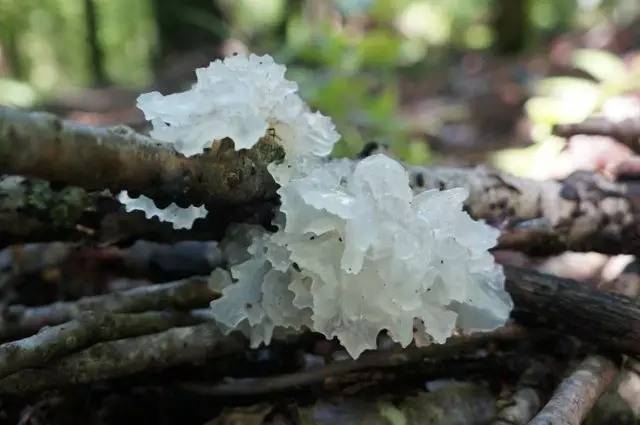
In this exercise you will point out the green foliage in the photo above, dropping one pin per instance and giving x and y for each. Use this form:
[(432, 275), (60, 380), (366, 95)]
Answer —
[(566, 100), (352, 78), (562, 100), (348, 72), (49, 36)]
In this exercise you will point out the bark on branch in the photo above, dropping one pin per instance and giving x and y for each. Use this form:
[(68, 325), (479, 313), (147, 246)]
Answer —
[(86, 330), (180, 295), (578, 393), (584, 212), (569, 307), (33, 210), (123, 357), (43, 146), (626, 131)]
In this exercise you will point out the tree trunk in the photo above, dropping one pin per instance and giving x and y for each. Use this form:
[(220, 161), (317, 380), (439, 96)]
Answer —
[(96, 54), (187, 25), (511, 26)]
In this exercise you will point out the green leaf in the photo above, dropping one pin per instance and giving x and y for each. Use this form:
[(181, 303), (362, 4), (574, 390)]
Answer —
[(529, 162), (16, 93), (385, 104), (604, 66), (418, 153), (339, 95), (547, 110), (380, 49), (569, 87)]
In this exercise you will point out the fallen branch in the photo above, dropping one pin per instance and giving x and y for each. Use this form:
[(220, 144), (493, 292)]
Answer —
[(111, 359), (578, 393), (86, 330), (34, 210), (608, 319), (123, 357), (149, 260), (30, 210), (584, 212), (180, 295), (626, 131), (455, 346), (562, 305), (42, 146)]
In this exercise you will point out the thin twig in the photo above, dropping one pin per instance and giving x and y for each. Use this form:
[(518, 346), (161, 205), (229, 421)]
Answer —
[(376, 359), (88, 329), (578, 393), (625, 131), (180, 295), (185, 345)]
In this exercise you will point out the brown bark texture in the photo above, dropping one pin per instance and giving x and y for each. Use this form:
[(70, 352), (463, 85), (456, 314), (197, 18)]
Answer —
[(40, 145)]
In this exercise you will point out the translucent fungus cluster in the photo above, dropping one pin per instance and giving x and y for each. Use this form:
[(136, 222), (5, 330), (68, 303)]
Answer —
[(356, 251)]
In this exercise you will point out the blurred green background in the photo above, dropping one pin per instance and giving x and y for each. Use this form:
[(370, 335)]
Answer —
[(401, 72)]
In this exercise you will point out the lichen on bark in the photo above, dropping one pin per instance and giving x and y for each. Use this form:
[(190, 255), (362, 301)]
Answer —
[(43, 146)]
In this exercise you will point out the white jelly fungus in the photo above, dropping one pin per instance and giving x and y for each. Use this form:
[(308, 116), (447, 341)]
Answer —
[(356, 251)]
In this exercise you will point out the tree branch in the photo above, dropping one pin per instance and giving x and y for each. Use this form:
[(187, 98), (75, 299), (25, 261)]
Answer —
[(578, 393), (88, 329), (123, 357), (584, 212), (529, 394), (430, 357), (34, 210), (132, 355), (566, 306), (626, 131), (180, 295), (42, 146)]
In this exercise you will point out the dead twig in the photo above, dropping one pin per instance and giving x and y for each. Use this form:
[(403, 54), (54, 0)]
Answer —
[(584, 212), (88, 329), (578, 393), (370, 360), (123, 357), (569, 307), (180, 295), (625, 131)]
